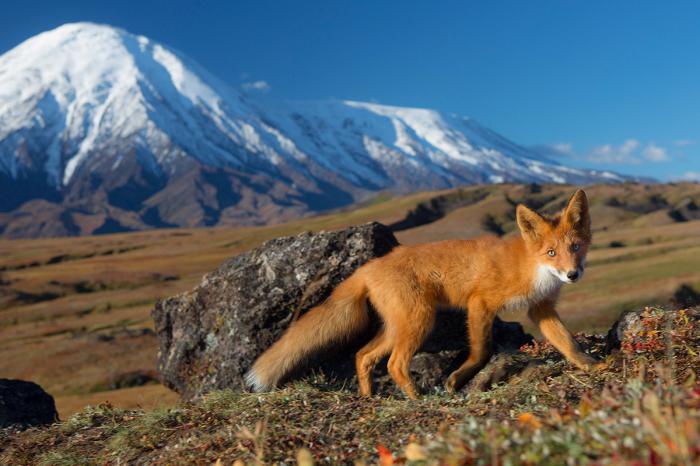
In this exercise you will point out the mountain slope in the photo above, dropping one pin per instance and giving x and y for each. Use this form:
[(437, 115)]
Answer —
[(102, 131)]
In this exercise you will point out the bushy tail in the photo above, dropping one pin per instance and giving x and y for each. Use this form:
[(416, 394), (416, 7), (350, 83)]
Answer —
[(341, 316)]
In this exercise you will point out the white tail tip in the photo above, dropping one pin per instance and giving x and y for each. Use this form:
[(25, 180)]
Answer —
[(254, 382)]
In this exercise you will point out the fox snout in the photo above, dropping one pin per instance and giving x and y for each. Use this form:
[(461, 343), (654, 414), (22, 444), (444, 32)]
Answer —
[(566, 276), (575, 274), (572, 275)]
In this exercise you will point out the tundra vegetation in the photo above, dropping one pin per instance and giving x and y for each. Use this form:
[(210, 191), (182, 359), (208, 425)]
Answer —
[(643, 408), (74, 317)]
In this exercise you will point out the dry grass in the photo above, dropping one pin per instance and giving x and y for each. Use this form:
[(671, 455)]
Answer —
[(638, 410), (151, 396), (73, 310)]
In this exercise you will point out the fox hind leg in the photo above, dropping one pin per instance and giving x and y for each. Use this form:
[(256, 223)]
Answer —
[(479, 325), (410, 334), (368, 357)]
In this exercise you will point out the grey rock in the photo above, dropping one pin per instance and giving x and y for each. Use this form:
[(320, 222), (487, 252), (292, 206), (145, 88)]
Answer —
[(630, 324), (24, 404), (210, 336), (616, 334), (501, 368)]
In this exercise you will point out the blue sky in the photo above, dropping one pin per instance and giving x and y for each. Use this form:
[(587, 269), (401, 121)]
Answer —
[(608, 84)]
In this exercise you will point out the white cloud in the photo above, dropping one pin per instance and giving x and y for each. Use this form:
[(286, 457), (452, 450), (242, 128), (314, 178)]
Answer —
[(564, 148), (629, 152), (261, 86), (683, 142), (654, 153), (629, 146), (607, 153), (690, 176)]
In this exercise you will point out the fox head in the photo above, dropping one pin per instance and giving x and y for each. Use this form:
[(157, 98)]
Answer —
[(560, 243)]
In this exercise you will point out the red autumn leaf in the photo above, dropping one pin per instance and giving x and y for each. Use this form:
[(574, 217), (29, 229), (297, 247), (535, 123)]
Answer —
[(386, 458)]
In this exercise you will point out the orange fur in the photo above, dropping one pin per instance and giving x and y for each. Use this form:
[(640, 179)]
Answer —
[(483, 275)]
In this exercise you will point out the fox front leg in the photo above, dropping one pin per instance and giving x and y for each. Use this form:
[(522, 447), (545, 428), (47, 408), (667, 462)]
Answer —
[(547, 319)]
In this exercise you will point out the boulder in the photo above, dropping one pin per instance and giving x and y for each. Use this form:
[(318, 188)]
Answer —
[(210, 336), (24, 404), (616, 334), (634, 325)]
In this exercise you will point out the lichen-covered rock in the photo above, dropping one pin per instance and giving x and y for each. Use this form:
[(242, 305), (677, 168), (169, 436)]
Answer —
[(210, 336), (616, 334), (641, 330), (24, 404)]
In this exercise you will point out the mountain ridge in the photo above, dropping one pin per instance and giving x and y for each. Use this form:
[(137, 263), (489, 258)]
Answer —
[(102, 130)]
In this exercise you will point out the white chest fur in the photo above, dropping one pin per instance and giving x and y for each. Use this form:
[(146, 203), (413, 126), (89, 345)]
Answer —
[(545, 284)]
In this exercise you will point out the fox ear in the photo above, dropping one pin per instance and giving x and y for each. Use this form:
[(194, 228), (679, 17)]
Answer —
[(576, 213), (531, 223)]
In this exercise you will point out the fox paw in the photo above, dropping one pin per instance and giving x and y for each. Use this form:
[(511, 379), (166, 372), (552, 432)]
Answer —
[(451, 385), (599, 366), (590, 364)]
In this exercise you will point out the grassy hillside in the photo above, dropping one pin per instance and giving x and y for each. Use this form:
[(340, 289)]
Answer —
[(637, 410), (74, 312)]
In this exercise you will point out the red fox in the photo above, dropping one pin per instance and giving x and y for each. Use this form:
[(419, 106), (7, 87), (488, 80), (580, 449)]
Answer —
[(483, 276)]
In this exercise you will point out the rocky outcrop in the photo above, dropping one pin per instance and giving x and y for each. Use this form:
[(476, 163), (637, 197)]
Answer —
[(627, 320), (24, 404), (635, 328), (210, 336)]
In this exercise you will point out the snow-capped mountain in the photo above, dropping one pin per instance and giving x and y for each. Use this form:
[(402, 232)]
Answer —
[(102, 130)]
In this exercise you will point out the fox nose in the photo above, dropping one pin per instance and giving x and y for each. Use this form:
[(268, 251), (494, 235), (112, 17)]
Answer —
[(572, 275)]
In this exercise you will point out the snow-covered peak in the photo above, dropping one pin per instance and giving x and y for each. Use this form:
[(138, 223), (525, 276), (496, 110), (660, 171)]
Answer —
[(88, 108), (75, 62), (88, 58), (97, 84)]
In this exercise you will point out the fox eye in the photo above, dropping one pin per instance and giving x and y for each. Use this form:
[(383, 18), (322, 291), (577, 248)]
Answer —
[(551, 253), (575, 247)]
